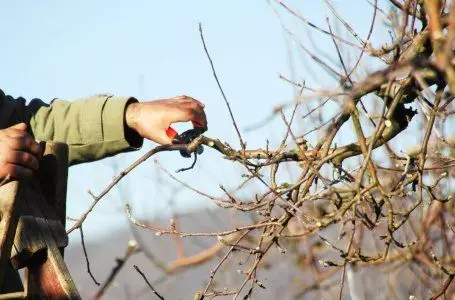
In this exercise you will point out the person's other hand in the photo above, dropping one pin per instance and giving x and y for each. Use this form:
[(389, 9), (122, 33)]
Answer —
[(19, 153), (152, 119)]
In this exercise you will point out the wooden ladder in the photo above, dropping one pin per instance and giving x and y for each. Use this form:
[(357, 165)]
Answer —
[(32, 232)]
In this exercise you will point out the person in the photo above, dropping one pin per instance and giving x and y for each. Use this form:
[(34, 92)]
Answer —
[(94, 127)]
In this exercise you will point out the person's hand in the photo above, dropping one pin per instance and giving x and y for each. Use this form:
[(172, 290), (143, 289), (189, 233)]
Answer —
[(152, 119), (19, 153)]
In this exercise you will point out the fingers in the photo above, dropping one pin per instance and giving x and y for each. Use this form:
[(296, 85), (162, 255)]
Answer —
[(19, 152), (199, 120), (20, 126), (162, 138), (194, 112), (16, 171), (23, 159), (20, 140), (188, 99), (156, 117)]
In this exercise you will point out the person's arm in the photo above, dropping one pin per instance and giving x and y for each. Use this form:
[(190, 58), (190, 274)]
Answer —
[(100, 126), (93, 127)]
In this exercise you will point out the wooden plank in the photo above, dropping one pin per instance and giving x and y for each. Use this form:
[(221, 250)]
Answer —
[(16, 295), (10, 206), (40, 236), (49, 273), (53, 177), (50, 181), (29, 240)]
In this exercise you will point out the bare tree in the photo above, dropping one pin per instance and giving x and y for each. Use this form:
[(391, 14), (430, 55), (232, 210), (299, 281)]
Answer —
[(372, 204)]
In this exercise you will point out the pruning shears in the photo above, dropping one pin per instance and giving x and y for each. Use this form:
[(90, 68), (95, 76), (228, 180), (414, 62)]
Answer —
[(186, 138)]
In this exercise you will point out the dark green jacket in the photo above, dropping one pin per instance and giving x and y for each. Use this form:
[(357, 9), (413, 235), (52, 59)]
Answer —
[(93, 127)]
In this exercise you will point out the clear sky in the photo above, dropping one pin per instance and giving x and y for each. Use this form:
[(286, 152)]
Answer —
[(151, 49)]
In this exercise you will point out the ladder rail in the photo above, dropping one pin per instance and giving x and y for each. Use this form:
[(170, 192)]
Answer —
[(38, 203)]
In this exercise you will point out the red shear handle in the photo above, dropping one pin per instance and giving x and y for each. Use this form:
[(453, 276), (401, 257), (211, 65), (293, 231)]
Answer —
[(171, 133)]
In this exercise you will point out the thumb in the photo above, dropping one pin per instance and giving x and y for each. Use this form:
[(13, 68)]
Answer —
[(163, 137), (20, 126)]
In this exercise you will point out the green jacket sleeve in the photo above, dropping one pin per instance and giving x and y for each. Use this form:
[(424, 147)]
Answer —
[(93, 128)]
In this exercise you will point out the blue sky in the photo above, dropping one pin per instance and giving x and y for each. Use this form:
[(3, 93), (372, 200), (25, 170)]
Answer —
[(150, 50)]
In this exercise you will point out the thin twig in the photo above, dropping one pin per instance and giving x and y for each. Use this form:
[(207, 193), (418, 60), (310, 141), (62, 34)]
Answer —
[(242, 144), (191, 147), (148, 283), (131, 249), (86, 256), (443, 288)]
